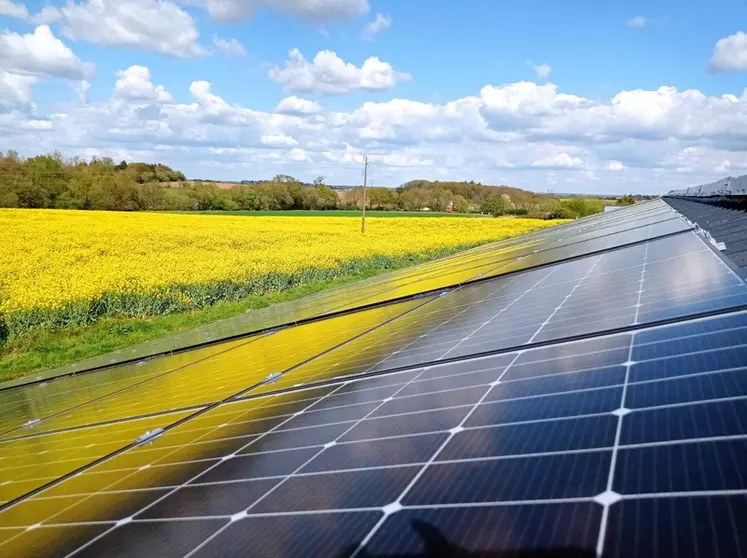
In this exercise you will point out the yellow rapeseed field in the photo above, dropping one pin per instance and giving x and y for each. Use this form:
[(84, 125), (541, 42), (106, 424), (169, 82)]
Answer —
[(61, 268)]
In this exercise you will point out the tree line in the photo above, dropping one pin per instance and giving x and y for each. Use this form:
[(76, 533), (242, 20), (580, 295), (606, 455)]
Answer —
[(51, 181)]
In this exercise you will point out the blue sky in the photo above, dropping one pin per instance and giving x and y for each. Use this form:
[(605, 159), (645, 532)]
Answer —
[(585, 97)]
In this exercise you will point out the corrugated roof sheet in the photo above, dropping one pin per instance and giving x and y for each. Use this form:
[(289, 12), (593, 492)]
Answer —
[(724, 219)]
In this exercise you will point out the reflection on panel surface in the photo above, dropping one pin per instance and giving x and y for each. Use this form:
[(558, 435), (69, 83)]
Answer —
[(236, 367), (576, 238), (520, 444)]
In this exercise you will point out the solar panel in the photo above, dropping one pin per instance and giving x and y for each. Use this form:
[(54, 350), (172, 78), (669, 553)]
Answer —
[(590, 407), (477, 319), (573, 239), (558, 441)]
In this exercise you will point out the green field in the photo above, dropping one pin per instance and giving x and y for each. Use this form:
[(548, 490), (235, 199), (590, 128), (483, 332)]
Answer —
[(44, 350), (335, 213)]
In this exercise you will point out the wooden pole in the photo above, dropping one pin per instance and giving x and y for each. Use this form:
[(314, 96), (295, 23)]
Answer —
[(365, 180)]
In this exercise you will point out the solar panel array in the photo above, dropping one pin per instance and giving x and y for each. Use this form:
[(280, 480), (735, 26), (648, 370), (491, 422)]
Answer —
[(580, 392)]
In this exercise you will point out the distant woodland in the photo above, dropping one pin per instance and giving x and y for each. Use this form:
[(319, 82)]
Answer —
[(51, 181)]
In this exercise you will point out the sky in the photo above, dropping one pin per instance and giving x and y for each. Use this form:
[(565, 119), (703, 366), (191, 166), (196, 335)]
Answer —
[(584, 96)]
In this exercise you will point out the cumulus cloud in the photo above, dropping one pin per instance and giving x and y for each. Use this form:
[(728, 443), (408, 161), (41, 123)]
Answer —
[(15, 92), (229, 47), (40, 54), (279, 141), (380, 23), (297, 106), (313, 10), (331, 75), (133, 84), (637, 21), (542, 70), (11, 9), (526, 134), (48, 14), (559, 161), (730, 54), (153, 25)]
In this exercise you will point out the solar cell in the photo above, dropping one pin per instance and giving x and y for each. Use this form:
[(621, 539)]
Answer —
[(571, 240), (617, 289), (558, 469), (555, 301), (207, 380)]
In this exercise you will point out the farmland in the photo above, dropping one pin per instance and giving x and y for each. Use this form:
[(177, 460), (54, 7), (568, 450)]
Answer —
[(66, 270)]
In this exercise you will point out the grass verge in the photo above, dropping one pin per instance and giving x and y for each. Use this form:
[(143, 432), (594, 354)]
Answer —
[(42, 349), (334, 213)]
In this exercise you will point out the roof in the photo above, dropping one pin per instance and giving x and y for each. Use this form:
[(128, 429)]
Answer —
[(724, 218), (579, 391), (729, 186)]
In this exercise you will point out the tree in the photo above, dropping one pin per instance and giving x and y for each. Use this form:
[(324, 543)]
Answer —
[(496, 206), (381, 198), (626, 200), (319, 181), (576, 207), (460, 204), (327, 198), (284, 178)]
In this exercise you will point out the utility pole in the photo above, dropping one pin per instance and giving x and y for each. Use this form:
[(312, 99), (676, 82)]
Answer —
[(365, 180)]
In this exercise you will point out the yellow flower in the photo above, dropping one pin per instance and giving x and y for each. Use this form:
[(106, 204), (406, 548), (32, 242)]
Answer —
[(50, 260)]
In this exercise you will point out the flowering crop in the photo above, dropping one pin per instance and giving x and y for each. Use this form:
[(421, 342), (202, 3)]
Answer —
[(64, 268)]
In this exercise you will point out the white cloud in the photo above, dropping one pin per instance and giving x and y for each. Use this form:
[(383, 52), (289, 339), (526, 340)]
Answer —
[(154, 25), (637, 21), (331, 75), (312, 10), (542, 70), (82, 88), (299, 155), (379, 24), (37, 125), (279, 141), (230, 47), (133, 84), (730, 54), (40, 54), (525, 134), (11, 9), (48, 14), (559, 161), (15, 92), (297, 106)]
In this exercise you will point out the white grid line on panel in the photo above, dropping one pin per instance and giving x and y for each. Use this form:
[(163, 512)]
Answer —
[(93, 540), (489, 458), (618, 433), (453, 505), (508, 399), (569, 295), (452, 433), (517, 299), (655, 380), (493, 426), (295, 472), (637, 266)]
